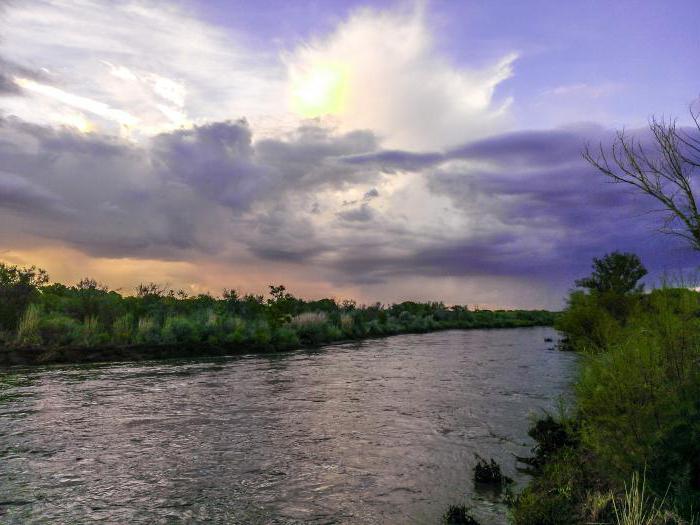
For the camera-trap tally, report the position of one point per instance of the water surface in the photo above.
(382, 431)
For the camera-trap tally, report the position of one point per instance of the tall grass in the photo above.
(309, 319)
(28, 329)
(122, 329)
(90, 331)
(637, 506)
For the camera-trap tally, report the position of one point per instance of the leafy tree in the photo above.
(18, 287)
(616, 272)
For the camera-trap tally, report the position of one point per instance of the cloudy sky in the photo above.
(382, 151)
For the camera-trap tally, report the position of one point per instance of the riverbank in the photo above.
(37, 355)
(630, 445)
(42, 323)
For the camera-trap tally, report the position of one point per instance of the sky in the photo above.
(382, 151)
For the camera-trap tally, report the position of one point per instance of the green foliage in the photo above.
(616, 272)
(180, 329)
(91, 334)
(28, 329)
(59, 330)
(18, 287)
(637, 410)
(147, 331)
(259, 333)
(123, 330)
(155, 315)
(285, 337)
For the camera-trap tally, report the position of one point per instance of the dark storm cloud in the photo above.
(198, 189)
(20, 194)
(537, 211)
(520, 149)
(532, 208)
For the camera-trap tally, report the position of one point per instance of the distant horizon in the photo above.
(379, 151)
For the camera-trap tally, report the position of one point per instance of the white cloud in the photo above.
(153, 61)
(154, 66)
(398, 85)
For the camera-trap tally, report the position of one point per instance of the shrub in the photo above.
(551, 436)
(122, 330)
(285, 337)
(588, 327)
(347, 323)
(458, 515)
(91, 334)
(147, 331)
(311, 326)
(179, 329)
(18, 288)
(333, 333)
(59, 330)
(233, 330)
(259, 333)
(28, 329)
(489, 472)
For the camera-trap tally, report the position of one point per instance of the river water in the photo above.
(382, 431)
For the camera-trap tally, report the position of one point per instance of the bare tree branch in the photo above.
(664, 173)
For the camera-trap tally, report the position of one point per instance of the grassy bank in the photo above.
(629, 451)
(50, 323)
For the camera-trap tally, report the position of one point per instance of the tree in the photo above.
(616, 272)
(18, 286)
(665, 171)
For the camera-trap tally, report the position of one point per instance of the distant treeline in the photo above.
(37, 315)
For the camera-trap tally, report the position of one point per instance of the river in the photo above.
(378, 432)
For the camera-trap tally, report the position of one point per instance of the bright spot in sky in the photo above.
(83, 103)
(74, 120)
(321, 90)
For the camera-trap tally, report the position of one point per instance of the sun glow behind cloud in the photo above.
(320, 90)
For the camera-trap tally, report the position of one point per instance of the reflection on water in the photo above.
(383, 431)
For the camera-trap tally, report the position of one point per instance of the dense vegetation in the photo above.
(35, 314)
(629, 451)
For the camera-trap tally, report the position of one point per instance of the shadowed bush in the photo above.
(59, 330)
(489, 473)
(180, 329)
(458, 515)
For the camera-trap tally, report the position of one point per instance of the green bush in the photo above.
(637, 409)
(259, 333)
(588, 327)
(285, 337)
(333, 333)
(123, 330)
(59, 330)
(180, 329)
(92, 335)
(233, 330)
(28, 329)
(147, 332)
